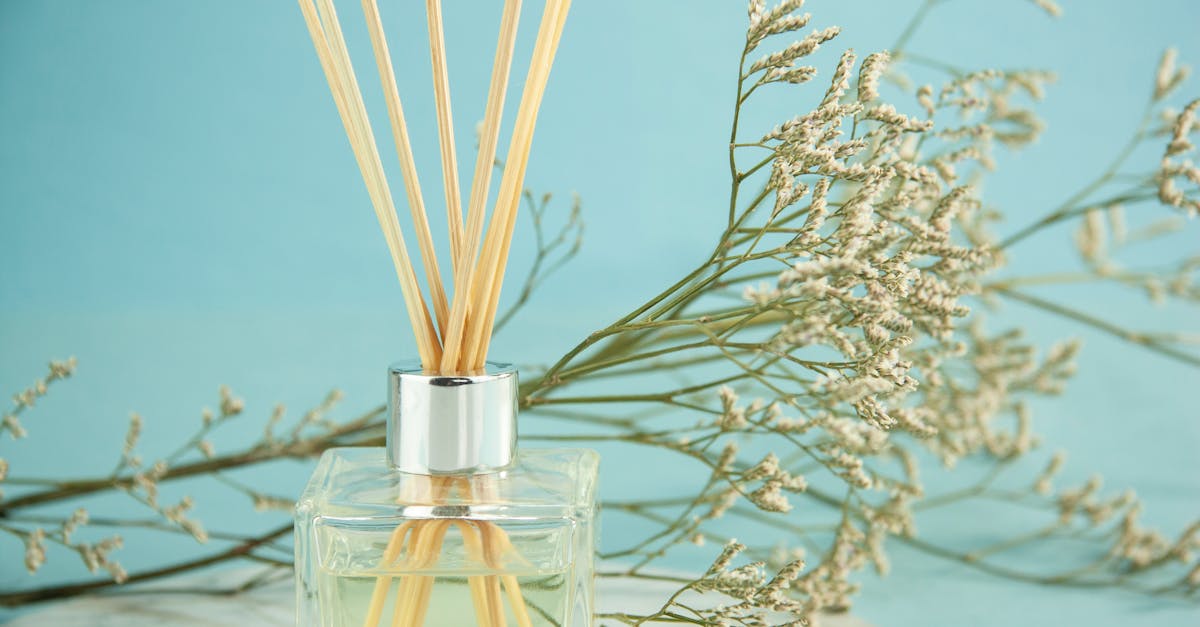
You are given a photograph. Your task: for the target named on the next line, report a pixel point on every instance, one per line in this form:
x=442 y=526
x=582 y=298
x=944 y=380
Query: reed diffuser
x=448 y=524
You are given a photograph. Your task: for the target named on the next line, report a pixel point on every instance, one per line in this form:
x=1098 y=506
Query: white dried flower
x=117 y=572
x=1172 y=174
x=277 y=415
x=96 y=556
x=876 y=534
x=91 y=559
x=838 y=85
x=756 y=11
x=768 y=467
x=263 y=503
x=731 y=550
x=1092 y=238
x=195 y=529
x=35 y=550
x=868 y=77
x=148 y=486
x=792 y=75
x=1181 y=130
x=728 y=456
x=1050 y=7
x=62 y=369
x=732 y=417
x=780 y=19
x=1073 y=500
x=787 y=57
x=14 y=426
x=177 y=512
x=1168 y=76
x=888 y=114
x=230 y=405
x=792 y=425
x=763 y=294
x=770 y=497
x=132 y=435
x=1116 y=223
x=722 y=503
x=77 y=519
x=1042 y=484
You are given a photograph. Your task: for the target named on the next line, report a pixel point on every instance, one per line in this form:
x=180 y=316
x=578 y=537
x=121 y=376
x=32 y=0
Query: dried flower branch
x=26 y=398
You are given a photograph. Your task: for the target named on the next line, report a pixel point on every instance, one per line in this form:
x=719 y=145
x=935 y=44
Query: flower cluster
x=26 y=398
x=1177 y=174
x=865 y=355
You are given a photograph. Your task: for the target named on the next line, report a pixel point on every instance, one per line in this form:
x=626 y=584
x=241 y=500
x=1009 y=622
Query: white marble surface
x=272 y=605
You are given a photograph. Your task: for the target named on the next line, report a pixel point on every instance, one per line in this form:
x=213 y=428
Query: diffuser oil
x=450 y=604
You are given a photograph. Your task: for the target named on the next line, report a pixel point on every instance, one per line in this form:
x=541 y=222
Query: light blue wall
x=179 y=208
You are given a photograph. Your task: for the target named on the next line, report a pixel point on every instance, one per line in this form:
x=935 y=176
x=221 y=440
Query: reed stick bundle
x=331 y=51
x=459 y=340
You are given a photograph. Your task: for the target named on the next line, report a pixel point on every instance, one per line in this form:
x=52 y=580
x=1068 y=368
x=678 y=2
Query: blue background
x=180 y=209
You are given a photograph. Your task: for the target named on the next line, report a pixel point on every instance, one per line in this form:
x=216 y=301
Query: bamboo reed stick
x=412 y=594
x=480 y=183
x=493 y=538
x=474 y=543
x=516 y=601
x=441 y=95
x=390 y=554
x=416 y=204
x=503 y=221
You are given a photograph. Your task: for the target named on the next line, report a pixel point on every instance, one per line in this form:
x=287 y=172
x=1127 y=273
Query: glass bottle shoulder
x=358 y=482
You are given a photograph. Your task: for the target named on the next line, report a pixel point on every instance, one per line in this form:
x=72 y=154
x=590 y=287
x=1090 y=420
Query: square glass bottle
x=448 y=525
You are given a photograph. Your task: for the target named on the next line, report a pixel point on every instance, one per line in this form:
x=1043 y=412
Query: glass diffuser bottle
x=448 y=525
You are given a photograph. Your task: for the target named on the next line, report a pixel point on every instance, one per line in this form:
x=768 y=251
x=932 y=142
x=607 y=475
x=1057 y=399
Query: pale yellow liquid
x=349 y=596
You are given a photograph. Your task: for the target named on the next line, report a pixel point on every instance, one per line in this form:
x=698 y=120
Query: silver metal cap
x=456 y=424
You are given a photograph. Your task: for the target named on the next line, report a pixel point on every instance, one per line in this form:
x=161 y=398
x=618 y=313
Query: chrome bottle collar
x=456 y=424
